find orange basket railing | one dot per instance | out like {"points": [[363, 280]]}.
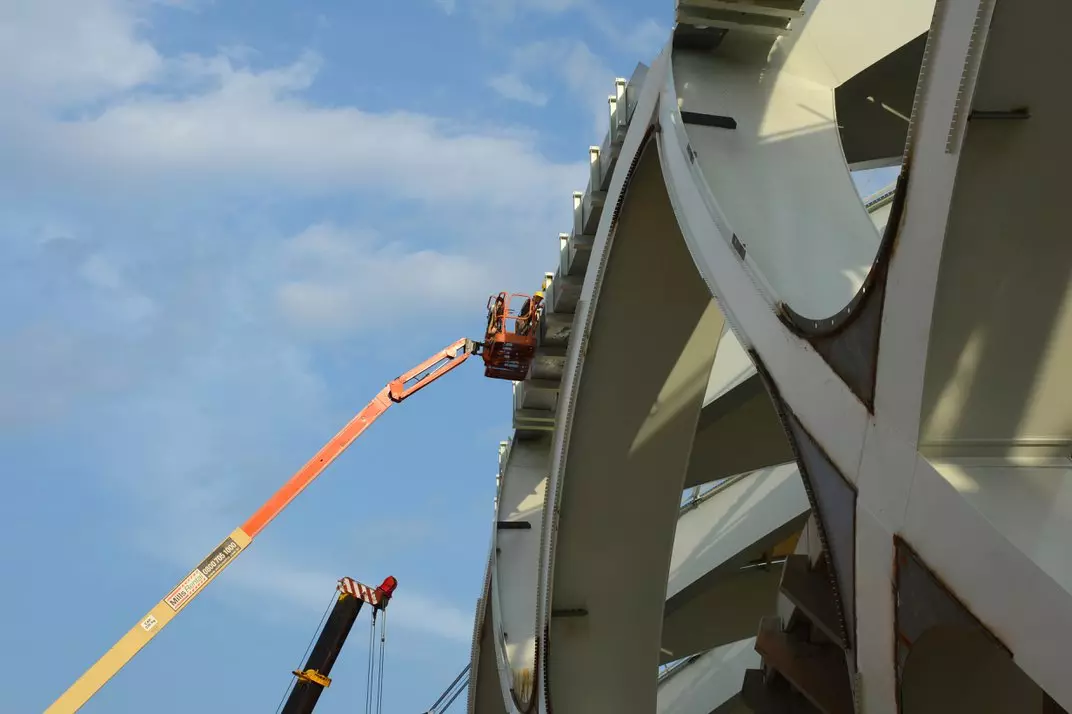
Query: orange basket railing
{"points": [[510, 336]]}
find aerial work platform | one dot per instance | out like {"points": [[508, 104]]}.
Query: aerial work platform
{"points": [[510, 338]]}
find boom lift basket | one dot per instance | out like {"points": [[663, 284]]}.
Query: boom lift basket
{"points": [[510, 338]]}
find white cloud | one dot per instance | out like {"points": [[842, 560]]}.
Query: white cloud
{"points": [[511, 86], [101, 273], [337, 281], [500, 11], [192, 5], [187, 123], [134, 115], [431, 615], [255, 125], [54, 52], [209, 125], [646, 39], [124, 302], [591, 80], [572, 63], [551, 6]]}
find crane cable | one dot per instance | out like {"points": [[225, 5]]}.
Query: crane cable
{"points": [[374, 680], [290, 684], [369, 679], [457, 687], [383, 646], [450, 701]]}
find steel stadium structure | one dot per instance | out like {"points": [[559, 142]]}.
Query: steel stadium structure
{"points": [[784, 447]]}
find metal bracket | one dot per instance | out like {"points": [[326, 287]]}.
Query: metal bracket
{"points": [[570, 612], [1017, 113], [716, 120], [311, 675]]}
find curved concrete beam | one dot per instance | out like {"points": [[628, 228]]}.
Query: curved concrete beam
{"points": [[838, 39], [799, 370], [715, 593], [955, 442], [522, 506], [977, 391], [738, 430], [635, 137], [720, 584], [820, 398], [985, 527], [607, 566], [873, 108], [789, 198], [725, 609], [737, 433], [997, 374], [516, 564], [735, 524], [732, 367], [709, 683], [788, 206], [484, 696]]}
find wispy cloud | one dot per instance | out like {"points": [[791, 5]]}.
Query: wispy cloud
{"points": [[337, 280], [214, 126], [499, 11], [50, 54], [235, 128], [304, 593], [511, 86], [94, 308], [644, 39], [647, 39], [571, 64]]}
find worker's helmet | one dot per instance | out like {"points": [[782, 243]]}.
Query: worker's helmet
{"points": [[537, 296]]}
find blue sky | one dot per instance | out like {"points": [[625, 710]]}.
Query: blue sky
{"points": [[224, 225]]}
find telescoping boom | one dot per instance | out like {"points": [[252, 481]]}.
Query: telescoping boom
{"points": [[224, 554], [508, 349]]}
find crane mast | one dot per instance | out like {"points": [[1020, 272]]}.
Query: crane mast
{"points": [[313, 678]]}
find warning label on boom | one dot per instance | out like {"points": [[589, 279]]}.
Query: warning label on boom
{"points": [[204, 572]]}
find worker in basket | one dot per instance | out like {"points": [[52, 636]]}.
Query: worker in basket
{"points": [[526, 319], [496, 312]]}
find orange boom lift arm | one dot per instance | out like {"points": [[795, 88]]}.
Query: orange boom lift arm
{"points": [[224, 554]]}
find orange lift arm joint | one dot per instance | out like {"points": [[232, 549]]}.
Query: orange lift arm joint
{"points": [[398, 390]]}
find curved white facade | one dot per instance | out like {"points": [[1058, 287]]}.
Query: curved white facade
{"points": [[884, 382]]}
